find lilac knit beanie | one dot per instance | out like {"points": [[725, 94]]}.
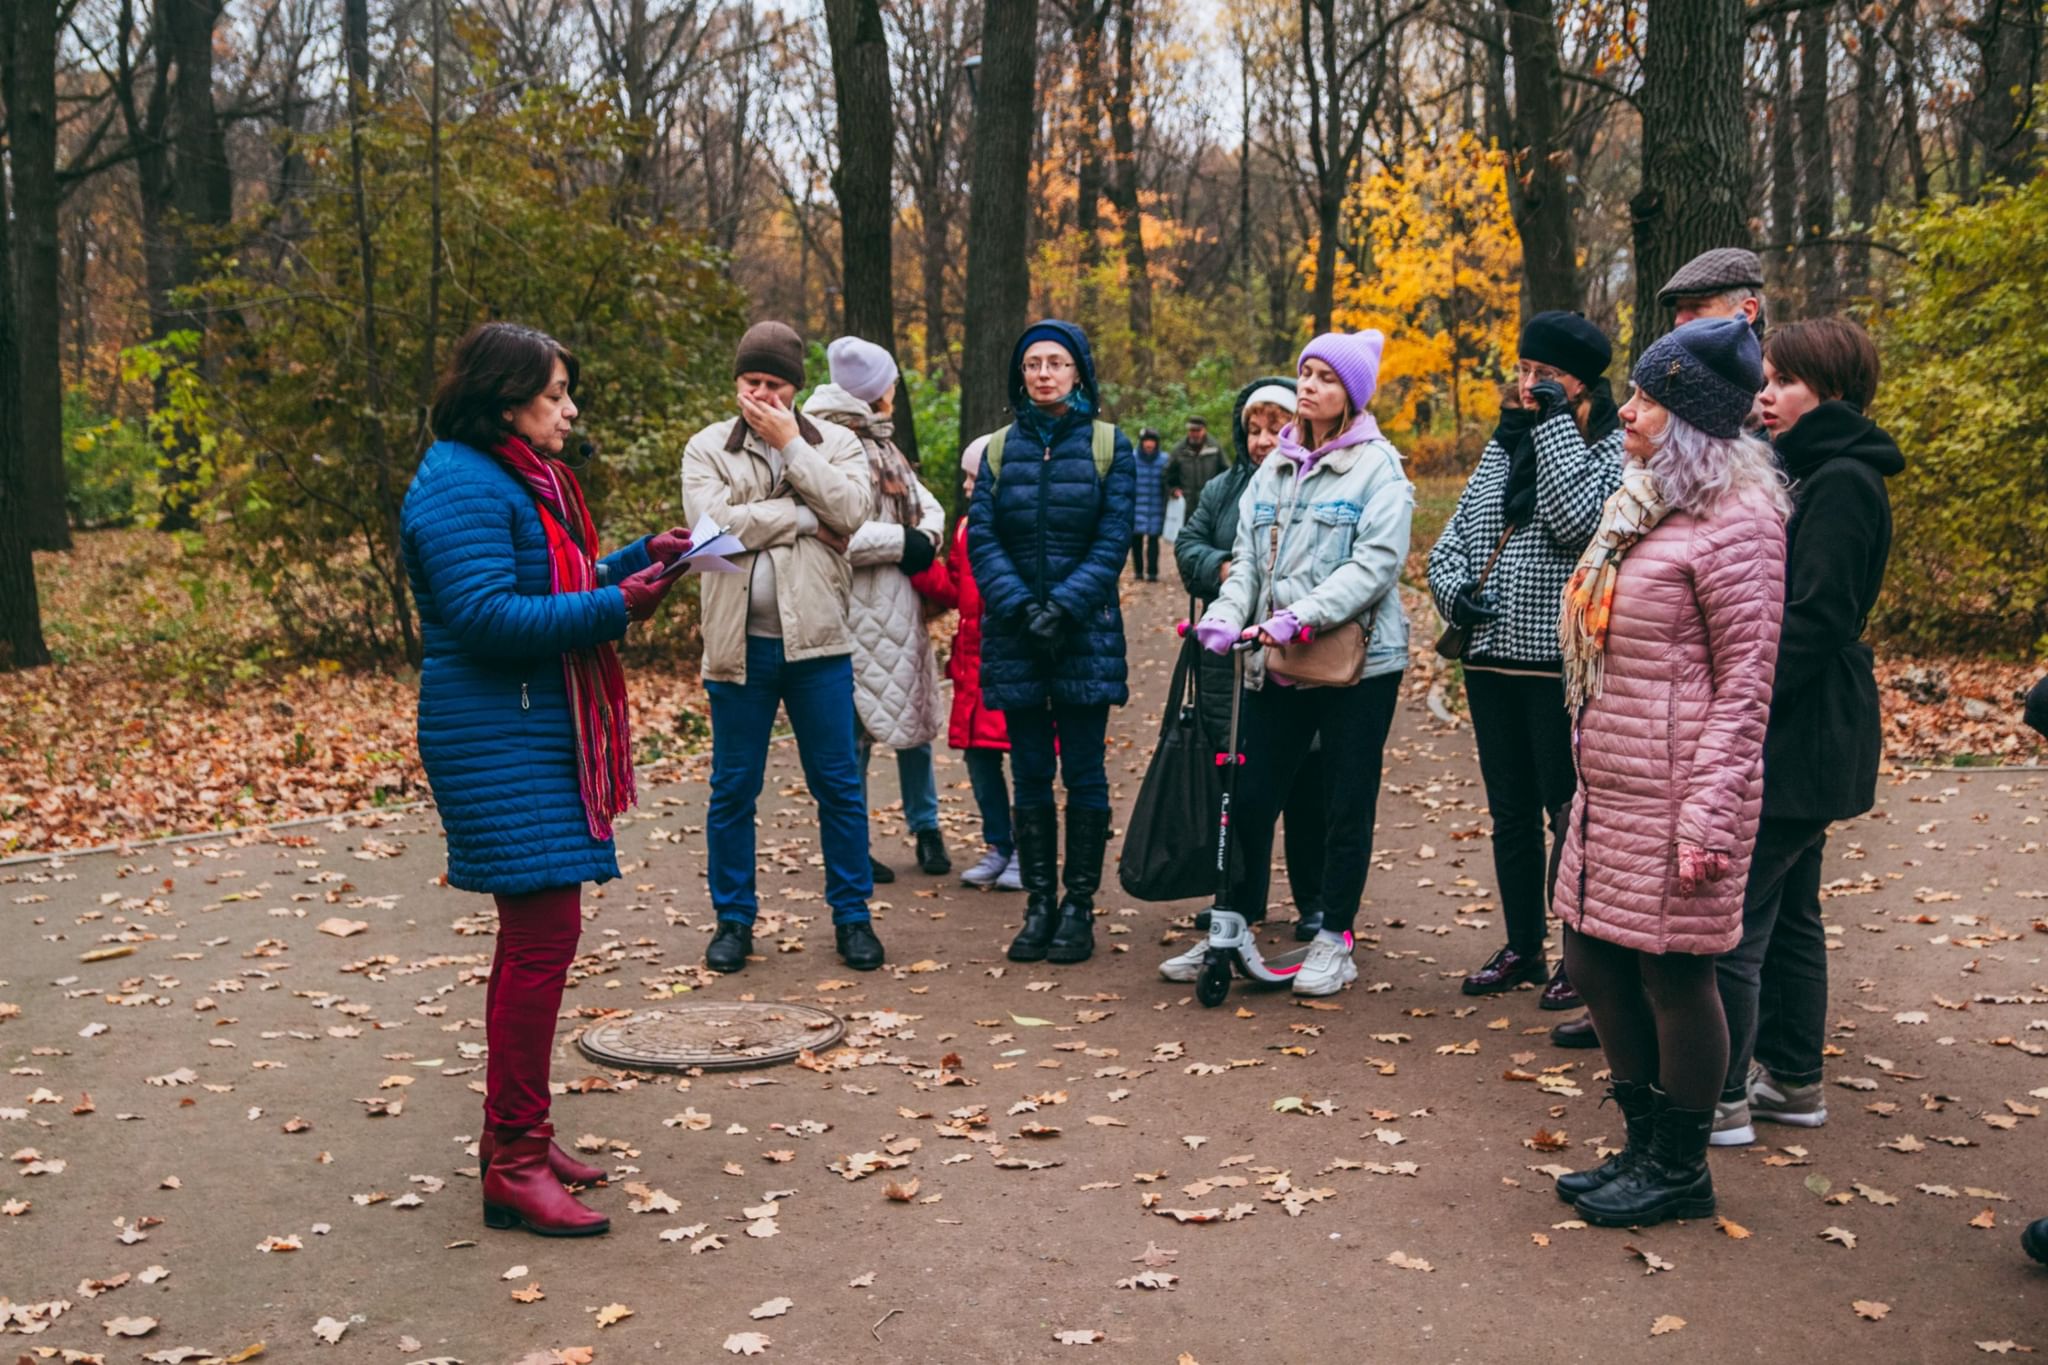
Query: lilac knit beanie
{"points": [[1355, 356]]}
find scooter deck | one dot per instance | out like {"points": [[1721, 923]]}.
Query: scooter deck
{"points": [[1280, 969]]}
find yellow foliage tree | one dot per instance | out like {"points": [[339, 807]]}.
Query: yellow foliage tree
{"points": [[1438, 273]]}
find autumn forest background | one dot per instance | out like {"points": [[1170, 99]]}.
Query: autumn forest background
{"points": [[239, 236]]}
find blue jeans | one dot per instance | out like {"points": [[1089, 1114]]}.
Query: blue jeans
{"points": [[914, 777], [1079, 732], [992, 796], [819, 696]]}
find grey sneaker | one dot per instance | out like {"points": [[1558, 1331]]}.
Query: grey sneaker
{"points": [[1186, 966], [1013, 876], [1772, 1101], [1731, 1125], [986, 872], [1328, 968]]}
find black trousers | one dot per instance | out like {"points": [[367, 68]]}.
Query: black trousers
{"points": [[1144, 556], [1525, 760], [1281, 725], [1774, 985]]}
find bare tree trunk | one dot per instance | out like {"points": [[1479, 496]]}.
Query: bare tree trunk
{"points": [[21, 617], [1090, 22], [1244, 165], [1695, 191], [999, 212], [1866, 150], [1784, 151], [1816, 162], [1907, 50], [1125, 190], [863, 182], [1539, 188], [384, 546], [2001, 115], [429, 358], [31, 85]]}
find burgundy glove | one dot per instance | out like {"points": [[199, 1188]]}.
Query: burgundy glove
{"points": [[1699, 867], [644, 590], [670, 545]]}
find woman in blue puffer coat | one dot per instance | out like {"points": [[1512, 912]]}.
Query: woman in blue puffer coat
{"points": [[522, 721], [1047, 533]]}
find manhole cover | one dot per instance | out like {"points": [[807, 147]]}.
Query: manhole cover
{"points": [[705, 1033]]}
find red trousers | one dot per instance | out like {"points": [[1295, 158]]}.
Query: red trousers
{"points": [[537, 936]]}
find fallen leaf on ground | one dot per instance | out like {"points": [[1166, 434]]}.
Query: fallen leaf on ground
{"points": [[774, 1308], [329, 1329], [1870, 1310], [1402, 1260], [1085, 1336], [129, 1327], [1732, 1228], [611, 1313], [747, 1343], [1667, 1323], [1841, 1236]]}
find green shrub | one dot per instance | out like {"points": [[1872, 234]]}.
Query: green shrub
{"points": [[109, 467]]}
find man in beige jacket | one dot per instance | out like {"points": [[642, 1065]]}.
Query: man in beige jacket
{"points": [[775, 635]]}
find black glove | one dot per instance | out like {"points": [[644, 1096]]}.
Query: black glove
{"points": [[1549, 397], [1047, 625], [918, 551], [1473, 607]]}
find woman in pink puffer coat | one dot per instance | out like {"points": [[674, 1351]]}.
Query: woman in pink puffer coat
{"points": [[1670, 638]]}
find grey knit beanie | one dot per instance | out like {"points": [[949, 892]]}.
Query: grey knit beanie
{"points": [[1708, 372]]}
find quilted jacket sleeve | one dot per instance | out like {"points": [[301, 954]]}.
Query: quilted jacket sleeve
{"points": [[1002, 587], [1378, 549], [1233, 605], [1450, 561], [1738, 569], [1847, 516], [761, 524], [624, 562], [462, 538], [1094, 581], [1200, 559], [1573, 481]]}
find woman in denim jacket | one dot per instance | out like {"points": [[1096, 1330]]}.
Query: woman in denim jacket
{"points": [[1320, 543]]}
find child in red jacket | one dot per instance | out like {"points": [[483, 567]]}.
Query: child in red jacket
{"points": [[975, 729]]}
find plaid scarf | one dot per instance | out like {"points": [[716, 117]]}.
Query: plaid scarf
{"points": [[1631, 512], [595, 683]]}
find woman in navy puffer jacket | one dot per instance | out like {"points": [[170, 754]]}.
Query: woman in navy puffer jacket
{"points": [[522, 723], [1047, 536]]}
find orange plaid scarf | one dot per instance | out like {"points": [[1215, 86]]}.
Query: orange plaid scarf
{"points": [[1588, 608]]}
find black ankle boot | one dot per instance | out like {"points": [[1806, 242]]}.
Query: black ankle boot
{"points": [[1638, 1104], [1087, 835], [1670, 1180], [1038, 832]]}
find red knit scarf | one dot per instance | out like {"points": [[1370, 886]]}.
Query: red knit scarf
{"points": [[595, 682]]}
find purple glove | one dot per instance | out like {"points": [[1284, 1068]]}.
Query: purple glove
{"points": [[644, 590], [1216, 636], [1282, 626], [670, 545]]}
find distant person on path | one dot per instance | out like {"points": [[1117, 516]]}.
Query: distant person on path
{"points": [[1521, 523], [895, 672], [776, 636], [976, 728], [522, 718], [1194, 462], [1047, 533], [1822, 751], [1203, 552], [1150, 518], [1321, 537], [1670, 635]]}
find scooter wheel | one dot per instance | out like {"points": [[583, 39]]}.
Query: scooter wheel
{"points": [[1214, 983]]}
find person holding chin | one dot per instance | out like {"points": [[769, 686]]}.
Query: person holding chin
{"points": [[794, 492], [522, 718], [1822, 750]]}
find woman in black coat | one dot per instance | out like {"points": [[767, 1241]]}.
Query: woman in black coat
{"points": [[1821, 752]]}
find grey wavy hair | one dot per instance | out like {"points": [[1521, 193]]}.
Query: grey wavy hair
{"points": [[1695, 471]]}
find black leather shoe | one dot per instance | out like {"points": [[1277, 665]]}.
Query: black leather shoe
{"points": [[931, 853], [1670, 1180], [1575, 1033], [1504, 971], [858, 946], [1637, 1101], [1307, 924], [880, 875], [729, 946], [1560, 994]]}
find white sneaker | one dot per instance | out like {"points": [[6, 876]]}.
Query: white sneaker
{"points": [[1186, 967], [1013, 876], [1327, 970], [985, 872]]}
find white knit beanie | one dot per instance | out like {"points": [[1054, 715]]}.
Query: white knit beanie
{"points": [[1279, 395], [862, 368]]}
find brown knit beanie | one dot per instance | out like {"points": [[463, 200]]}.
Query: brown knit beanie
{"points": [[771, 348]]}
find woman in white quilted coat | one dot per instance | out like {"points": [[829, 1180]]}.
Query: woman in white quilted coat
{"points": [[1669, 633], [895, 672]]}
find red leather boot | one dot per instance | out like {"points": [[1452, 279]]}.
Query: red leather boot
{"points": [[520, 1190], [567, 1168]]}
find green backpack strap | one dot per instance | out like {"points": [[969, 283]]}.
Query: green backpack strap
{"points": [[1104, 445]]}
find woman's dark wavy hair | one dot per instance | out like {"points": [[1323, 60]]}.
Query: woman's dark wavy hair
{"points": [[499, 365]]}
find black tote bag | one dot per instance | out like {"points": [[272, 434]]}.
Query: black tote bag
{"points": [[1169, 851]]}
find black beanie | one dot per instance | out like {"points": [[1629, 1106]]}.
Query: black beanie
{"points": [[1566, 341], [771, 348]]}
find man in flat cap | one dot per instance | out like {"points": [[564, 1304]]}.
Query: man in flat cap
{"points": [[1726, 282]]}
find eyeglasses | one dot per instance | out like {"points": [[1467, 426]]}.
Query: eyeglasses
{"points": [[1045, 365]]}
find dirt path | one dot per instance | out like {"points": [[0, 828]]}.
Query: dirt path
{"points": [[234, 1018]]}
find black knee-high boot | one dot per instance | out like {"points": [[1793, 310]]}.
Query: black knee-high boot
{"points": [[1037, 831], [1087, 835]]}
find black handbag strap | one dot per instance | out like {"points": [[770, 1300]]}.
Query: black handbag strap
{"points": [[1186, 690]]}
